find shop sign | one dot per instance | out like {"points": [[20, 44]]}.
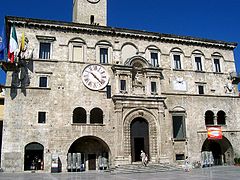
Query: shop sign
{"points": [[214, 132]]}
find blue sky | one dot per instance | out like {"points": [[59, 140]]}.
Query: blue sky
{"points": [[211, 19]]}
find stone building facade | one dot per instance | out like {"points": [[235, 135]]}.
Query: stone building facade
{"points": [[99, 95]]}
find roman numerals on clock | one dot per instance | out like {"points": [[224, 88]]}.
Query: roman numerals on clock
{"points": [[95, 77]]}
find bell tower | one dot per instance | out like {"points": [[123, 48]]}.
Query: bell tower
{"points": [[90, 12]]}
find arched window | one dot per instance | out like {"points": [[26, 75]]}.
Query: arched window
{"points": [[221, 118], [209, 118], [177, 55], [153, 55], [96, 116], [79, 115], [104, 52], [77, 48]]}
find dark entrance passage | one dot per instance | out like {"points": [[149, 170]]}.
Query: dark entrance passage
{"points": [[92, 161], [222, 151], [33, 157], [138, 145], [88, 153], [139, 138]]}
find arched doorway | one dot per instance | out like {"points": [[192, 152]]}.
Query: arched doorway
{"points": [[88, 153], [139, 132], [33, 157], [222, 150]]}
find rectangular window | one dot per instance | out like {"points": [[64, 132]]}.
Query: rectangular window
{"points": [[200, 89], [1, 101], [43, 82], [109, 94], [198, 63], [41, 117], [123, 87], [180, 157], [104, 55], [178, 127], [154, 59], [217, 65], [177, 61], [153, 87], [77, 53], [44, 52]]}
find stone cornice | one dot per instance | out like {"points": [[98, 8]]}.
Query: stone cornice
{"points": [[117, 32]]}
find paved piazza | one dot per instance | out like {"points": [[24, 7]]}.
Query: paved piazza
{"points": [[213, 173]]}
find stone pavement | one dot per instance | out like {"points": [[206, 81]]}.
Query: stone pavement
{"points": [[211, 173]]}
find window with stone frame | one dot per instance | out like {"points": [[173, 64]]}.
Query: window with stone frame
{"points": [[96, 116], [41, 117], [79, 115], [45, 46], [198, 63], [77, 55], [153, 87], [209, 118], [123, 86], [221, 118], [43, 81], [177, 61], [179, 129], [104, 55], [154, 59], [200, 89], [217, 65], [45, 50]]}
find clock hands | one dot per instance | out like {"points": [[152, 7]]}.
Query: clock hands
{"points": [[94, 75]]}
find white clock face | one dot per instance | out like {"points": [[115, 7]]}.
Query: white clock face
{"points": [[93, 1], [95, 77]]}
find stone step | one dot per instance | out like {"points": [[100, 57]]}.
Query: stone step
{"points": [[139, 168]]}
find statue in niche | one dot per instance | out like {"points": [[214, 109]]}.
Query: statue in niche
{"points": [[138, 79]]}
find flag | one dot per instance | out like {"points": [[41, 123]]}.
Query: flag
{"points": [[13, 44], [3, 44], [22, 45]]}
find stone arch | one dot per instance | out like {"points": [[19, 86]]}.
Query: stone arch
{"points": [[90, 151], [104, 42], [77, 40], [197, 52], [128, 50], [221, 149], [177, 50], [153, 47], [137, 62], [217, 54], [178, 109], [151, 120]]}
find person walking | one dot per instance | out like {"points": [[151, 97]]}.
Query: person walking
{"points": [[146, 160], [187, 167], [143, 157]]}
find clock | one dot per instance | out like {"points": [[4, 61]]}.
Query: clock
{"points": [[95, 77], [93, 1]]}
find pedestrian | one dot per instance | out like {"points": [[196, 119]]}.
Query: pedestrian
{"points": [[146, 160], [143, 157], [186, 165]]}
